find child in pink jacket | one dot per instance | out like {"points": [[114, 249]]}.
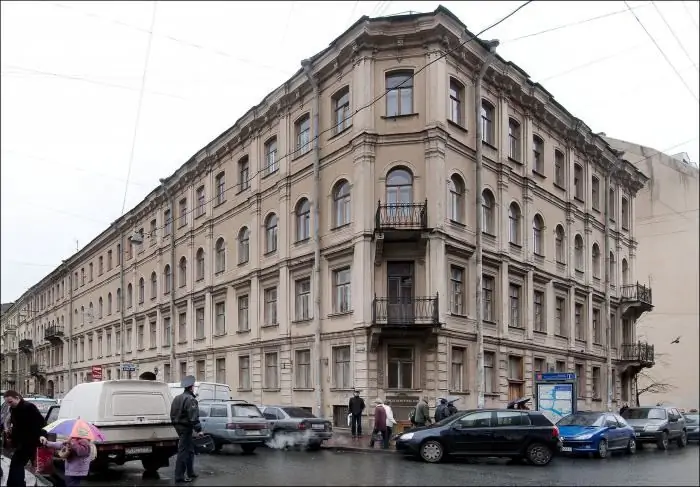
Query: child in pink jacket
{"points": [[77, 454]]}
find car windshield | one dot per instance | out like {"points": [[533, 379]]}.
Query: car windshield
{"points": [[644, 413], [42, 405], [298, 413], [581, 420], [245, 411], [692, 418]]}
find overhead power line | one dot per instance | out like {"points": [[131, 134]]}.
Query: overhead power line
{"points": [[663, 53], [690, 15], [673, 33]]}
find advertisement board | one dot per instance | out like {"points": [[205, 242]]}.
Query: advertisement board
{"points": [[96, 373], [555, 394]]}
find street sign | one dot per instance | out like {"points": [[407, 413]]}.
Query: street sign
{"points": [[128, 367], [555, 376], [96, 373]]}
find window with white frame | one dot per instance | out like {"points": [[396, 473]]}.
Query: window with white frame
{"points": [[457, 290], [341, 203], [560, 316], [559, 245], [489, 373], [166, 331], [303, 219], [199, 265], [201, 201], [270, 311], [578, 181], [400, 362], [537, 237], [488, 209], [220, 318], [457, 370], [399, 96], [559, 169], [595, 193], [243, 245], [220, 256], [271, 233], [303, 299], [488, 285], [537, 154], [514, 135], [244, 173], [199, 324], [597, 330], [200, 370], [514, 292], [455, 186], [456, 102], [539, 311], [342, 378], [271, 163], [220, 188], [244, 372], [341, 290], [597, 383], [514, 223], [243, 313], [302, 369], [183, 213], [271, 377], [578, 252], [579, 327], [488, 113], [302, 130], [625, 210], [182, 327], [220, 371], [595, 255], [341, 109]]}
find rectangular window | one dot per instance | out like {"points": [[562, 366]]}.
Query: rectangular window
{"points": [[167, 217], [118, 342], [99, 346], [166, 331], [100, 266], [537, 155], [271, 164], [597, 338], [560, 366], [457, 290], [153, 233], [540, 366], [625, 218], [488, 285], [199, 325], [578, 322], [559, 316], [182, 327], [108, 343], [341, 290], [399, 96], [220, 324], [540, 323], [559, 169], [140, 337], [613, 331], [244, 174], [457, 370], [595, 193], [342, 378], [487, 123], [244, 372], [243, 313], [456, 102], [514, 140], [303, 134], [201, 370], [596, 383], [303, 299], [90, 348], [578, 181], [90, 274], [201, 201], [611, 204], [514, 293], [153, 340], [183, 370], [220, 188], [183, 213], [221, 371], [489, 372], [341, 108], [82, 279], [270, 311], [302, 369], [580, 381], [271, 380], [401, 367]]}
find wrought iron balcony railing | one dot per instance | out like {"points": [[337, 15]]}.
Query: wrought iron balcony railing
{"points": [[405, 311], [53, 331], [636, 292], [25, 345], [401, 216], [37, 369], [638, 352]]}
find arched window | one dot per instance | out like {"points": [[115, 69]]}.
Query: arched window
{"points": [[341, 203], [488, 204], [109, 304], [303, 219], [243, 245], [142, 290], [200, 264], [456, 204], [559, 244], [91, 312], [182, 272], [625, 273], [82, 315], [271, 233], [612, 268], [167, 279], [537, 240], [220, 256], [578, 251], [399, 187], [595, 255], [154, 285], [100, 307], [488, 116], [514, 223], [129, 296], [120, 304]]}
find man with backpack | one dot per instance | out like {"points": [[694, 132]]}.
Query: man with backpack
{"points": [[441, 411], [421, 413]]}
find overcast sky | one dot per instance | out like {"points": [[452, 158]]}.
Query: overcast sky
{"points": [[72, 72]]}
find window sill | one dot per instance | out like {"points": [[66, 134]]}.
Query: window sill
{"points": [[625, 228], [516, 381], [339, 314], [219, 203], [140, 349], [197, 217], [219, 335], [341, 227], [564, 337], [244, 389], [182, 342], [460, 393], [489, 322], [301, 321], [303, 389], [270, 325], [491, 394], [266, 174], [488, 234], [218, 273], [198, 339], [341, 389], [301, 154], [516, 327], [456, 223], [242, 332], [182, 226], [559, 186], [269, 253], [458, 315], [516, 246], [457, 125], [597, 399], [515, 161], [152, 348], [242, 263], [271, 389], [400, 115], [302, 241], [340, 133], [488, 144], [579, 200], [540, 332], [597, 210], [538, 174], [243, 188]]}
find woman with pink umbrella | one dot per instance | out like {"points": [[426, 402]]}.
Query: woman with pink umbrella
{"points": [[78, 450]]}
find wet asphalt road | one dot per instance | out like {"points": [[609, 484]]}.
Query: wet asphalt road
{"points": [[273, 467]]}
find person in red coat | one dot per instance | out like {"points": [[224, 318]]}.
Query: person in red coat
{"points": [[379, 424]]}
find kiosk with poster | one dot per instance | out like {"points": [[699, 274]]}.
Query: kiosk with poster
{"points": [[555, 394]]}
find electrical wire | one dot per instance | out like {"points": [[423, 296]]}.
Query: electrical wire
{"points": [[690, 15], [589, 63], [663, 53], [673, 33]]}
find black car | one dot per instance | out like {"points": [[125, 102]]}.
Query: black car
{"points": [[507, 433], [692, 422]]}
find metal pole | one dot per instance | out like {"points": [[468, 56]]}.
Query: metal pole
{"points": [[479, 228], [120, 302], [170, 196], [306, 64], [70, 328], [608, 328]]}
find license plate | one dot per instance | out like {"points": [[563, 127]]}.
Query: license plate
{"points": [[252, 432], [318, 427], [137, 450], [566, 448], [638, 434]]}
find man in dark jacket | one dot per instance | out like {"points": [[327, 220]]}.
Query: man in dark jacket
{"points": [[356, 406], [26, 425], [184, 413]]}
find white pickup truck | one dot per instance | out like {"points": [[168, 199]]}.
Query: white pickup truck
{"points": [[133, 415]]}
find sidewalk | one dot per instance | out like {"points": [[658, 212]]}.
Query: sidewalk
{"points": [[30, 478], [343, 441]]}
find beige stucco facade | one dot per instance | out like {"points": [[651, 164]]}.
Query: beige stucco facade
{"points": [[247, 315], [667, 232]]}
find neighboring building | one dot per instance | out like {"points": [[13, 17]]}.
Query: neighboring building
{"points": [[8, 346], [666, 224], [396, 234]]}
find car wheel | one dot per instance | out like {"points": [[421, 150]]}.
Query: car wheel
{"points": [[631, 446], [538, 454], [313, 446], [602, 449], [218, 446], [248, 449], [432, 451], [662, 444], [682, 440]]}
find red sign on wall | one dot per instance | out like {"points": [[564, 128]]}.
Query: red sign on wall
{"points": [[96, 373]]}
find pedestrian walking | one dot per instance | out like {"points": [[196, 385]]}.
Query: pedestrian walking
{"points": [[624, 408], [25, 427], [422, 412], [356, 406], [77, 453], [184, 413], [441, 411], [451, 408], [380, 423], [390, 423]]}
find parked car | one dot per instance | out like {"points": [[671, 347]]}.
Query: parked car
{"points": [[295, 426], [692, 424], [204, 390], [234, 422], [657, 424], [506, 433], [596, 432], [42, 403]]}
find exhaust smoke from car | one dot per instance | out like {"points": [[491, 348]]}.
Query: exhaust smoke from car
{"points": [[286, 440]]}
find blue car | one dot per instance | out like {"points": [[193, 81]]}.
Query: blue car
{"points": [[596, 432], [692, 422]]}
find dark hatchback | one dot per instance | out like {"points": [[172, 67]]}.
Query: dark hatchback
{"points": [[506, 433], [692, 421]]}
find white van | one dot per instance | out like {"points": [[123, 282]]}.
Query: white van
{"points": [[204, 390], [134, 417]]}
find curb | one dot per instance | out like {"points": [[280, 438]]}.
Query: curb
{"points": [[358, 449]]}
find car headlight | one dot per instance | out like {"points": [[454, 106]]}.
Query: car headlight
{"points": [[584, 437], [406, 436], [651, 427]]}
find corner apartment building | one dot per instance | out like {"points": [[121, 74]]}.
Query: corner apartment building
{"points": [[667, 232], [225, 276]]}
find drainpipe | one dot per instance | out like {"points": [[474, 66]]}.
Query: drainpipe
{"points": [[608, 329], [70, 327], [315, 198], [492, 45], [169, 196], [120, 302]]}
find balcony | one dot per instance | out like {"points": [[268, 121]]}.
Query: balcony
{"points": [[405, 223], [54, 334], [405, 318], [635, 299], [26, 346], [37, 370], [635, 357]]}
